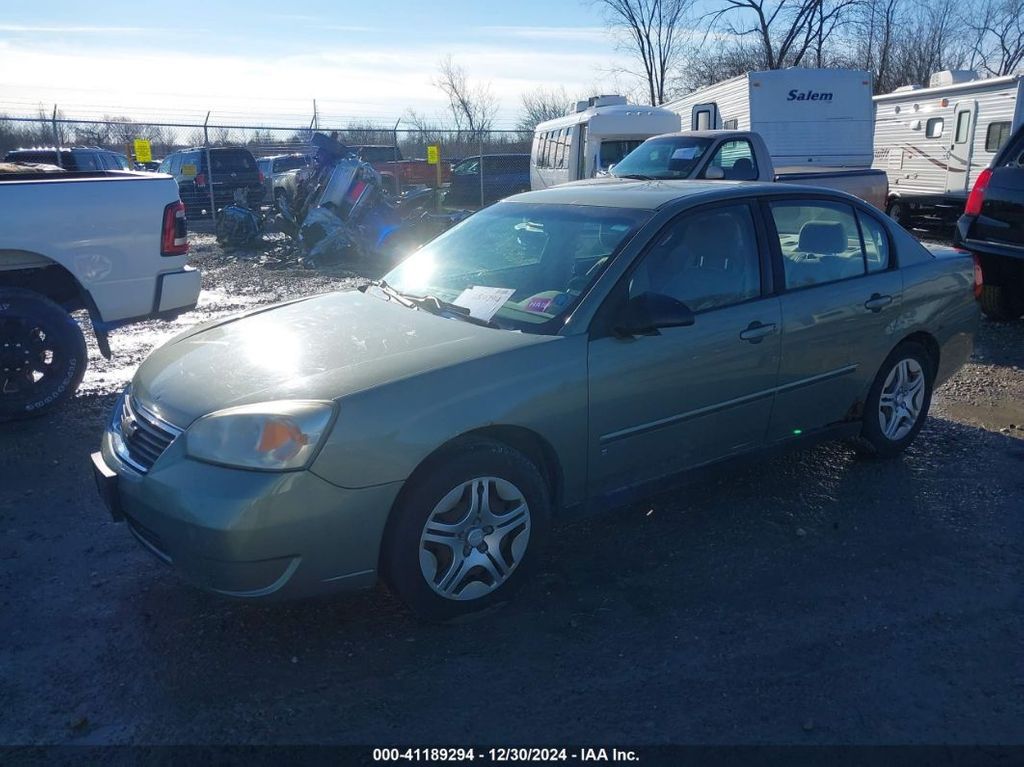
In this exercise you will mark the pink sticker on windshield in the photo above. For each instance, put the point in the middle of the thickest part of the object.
(538, 304)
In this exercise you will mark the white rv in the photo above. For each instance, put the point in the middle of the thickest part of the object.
(805, 116)
(933, 142)
(602, 131)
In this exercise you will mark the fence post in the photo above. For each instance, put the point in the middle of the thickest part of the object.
(209, 166)
(56, 138)
(480, 149)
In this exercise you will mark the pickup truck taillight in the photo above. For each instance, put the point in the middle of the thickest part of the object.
(977, 195)
(174, 235)
(200, 179)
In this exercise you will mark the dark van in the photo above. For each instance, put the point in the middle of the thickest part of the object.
(226, 168)
(481, 180)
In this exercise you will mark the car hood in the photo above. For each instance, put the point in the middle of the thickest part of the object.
(319, 348)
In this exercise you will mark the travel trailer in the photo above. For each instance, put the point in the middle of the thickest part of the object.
(601, 131)
(933, 142)
(805, 116)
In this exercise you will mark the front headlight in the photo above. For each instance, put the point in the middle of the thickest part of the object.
(273, 436)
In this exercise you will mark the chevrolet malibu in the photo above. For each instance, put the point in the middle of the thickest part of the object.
(556, 352)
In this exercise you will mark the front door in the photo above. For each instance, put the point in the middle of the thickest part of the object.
(841, 300)
(685, 396)
(958, 157)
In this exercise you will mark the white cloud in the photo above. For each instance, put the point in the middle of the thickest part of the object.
(64, 30)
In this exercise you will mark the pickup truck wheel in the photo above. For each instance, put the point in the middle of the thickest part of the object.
(898, 401)
(467, 530)
(42, 354)
(1001, 302)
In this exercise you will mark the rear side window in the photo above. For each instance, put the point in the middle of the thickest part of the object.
(876, 242)
(996, 135)
(933, 128)
(87, 161)
(819, 240)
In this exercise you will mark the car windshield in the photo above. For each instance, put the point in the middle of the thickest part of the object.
(668, 157)
(534, 261)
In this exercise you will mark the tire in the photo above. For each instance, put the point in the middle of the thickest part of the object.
(443, 562)
(42, 342)
(897, 211)
(907, 412)
(1000, 302)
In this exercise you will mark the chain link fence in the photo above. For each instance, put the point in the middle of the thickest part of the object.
(475, 168)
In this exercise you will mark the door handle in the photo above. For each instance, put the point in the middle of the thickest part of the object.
(756, 331)
(877, 302)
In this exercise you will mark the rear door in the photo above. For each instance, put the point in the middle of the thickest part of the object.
(1002, 213)
(958, 157)
(688, 395)
(841, 298)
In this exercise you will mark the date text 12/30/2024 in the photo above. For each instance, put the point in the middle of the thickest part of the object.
(504, 754)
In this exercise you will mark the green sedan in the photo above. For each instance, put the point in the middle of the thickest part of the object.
(557, 352)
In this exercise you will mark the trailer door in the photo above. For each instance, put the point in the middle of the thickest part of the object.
(958, 158)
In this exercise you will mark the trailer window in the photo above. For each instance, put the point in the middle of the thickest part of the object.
(996, 136)
(963, 126)
(933, 128)
(732, 124)
(703, 117)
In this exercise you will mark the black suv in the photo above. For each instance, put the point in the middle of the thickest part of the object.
(77, 158)
(233, 168)
(992, 227)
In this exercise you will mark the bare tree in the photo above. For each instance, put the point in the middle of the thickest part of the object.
(473, 107)
(655, 35)
(998, 27)
(544, 104)
(786, 30)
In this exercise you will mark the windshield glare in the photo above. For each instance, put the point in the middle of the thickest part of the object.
(546, 255)
(669, 157)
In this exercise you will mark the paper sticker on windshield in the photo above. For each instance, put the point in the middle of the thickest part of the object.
(538, 304)
(685, 153)
(483, 302)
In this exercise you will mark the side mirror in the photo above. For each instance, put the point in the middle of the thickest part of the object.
(646, 313)
(714, 173)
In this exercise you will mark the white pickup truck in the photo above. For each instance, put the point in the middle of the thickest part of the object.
(113, 243)
(740, 156)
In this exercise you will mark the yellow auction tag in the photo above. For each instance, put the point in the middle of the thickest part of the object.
(433, 154)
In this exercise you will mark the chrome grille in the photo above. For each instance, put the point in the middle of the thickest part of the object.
(145, 435)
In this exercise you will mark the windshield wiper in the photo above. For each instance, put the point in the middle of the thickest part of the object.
(637, 177)
(432, 304)
(436, 305)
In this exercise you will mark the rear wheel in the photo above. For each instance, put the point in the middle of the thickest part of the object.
(467, 530)
(42, 354)
(898, 402)
(897, 211)
(1001, 302)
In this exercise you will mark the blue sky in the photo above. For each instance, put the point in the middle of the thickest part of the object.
(360, 60)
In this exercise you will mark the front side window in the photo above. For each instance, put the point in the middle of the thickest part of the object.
(543, 256)
(668, 157)
(933, 128)
(736, 159)
(470, 167)
(820, 242)
(707, 260)
(996, 136)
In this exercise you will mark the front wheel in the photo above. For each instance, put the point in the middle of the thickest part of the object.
(42, 354)
(898, 402)
(467, 530)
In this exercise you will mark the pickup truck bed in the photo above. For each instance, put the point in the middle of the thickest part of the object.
(112, 242)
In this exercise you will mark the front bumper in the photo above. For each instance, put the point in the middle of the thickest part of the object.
(249, 534)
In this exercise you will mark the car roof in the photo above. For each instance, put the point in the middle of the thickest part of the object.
(610, 192)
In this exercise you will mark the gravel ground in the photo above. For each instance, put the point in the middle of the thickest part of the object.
(806, 597)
